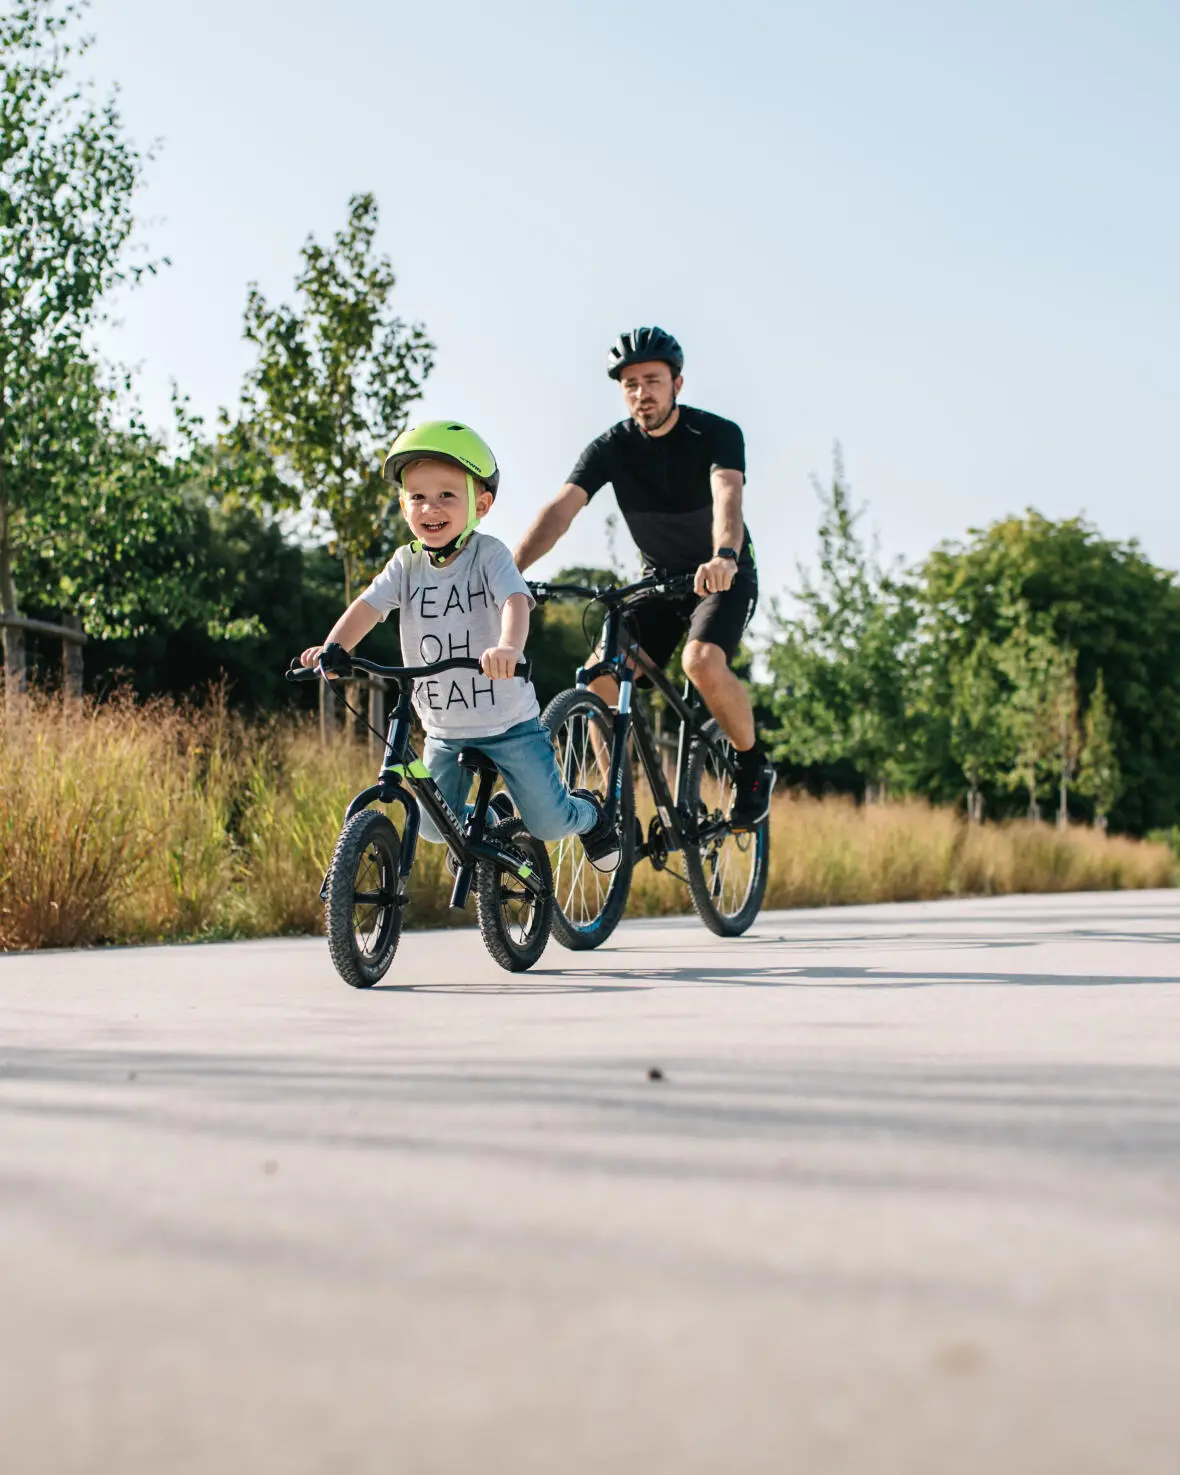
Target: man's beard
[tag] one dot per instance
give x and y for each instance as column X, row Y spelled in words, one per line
column 643, row 418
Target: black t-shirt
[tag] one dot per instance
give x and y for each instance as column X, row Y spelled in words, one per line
column 662, row 484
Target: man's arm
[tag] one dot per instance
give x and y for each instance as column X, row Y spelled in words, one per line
column 728, row 532
column 552, row 523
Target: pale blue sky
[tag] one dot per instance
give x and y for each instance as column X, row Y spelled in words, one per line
column 946, row 235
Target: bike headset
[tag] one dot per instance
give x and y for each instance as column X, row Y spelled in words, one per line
column 643, row 346
column 444, row 440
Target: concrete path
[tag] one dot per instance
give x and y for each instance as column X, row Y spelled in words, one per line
column 905, row 1201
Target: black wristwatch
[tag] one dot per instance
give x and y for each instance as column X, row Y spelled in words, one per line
column 727, row 553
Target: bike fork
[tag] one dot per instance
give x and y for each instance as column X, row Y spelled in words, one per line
column 618, row 751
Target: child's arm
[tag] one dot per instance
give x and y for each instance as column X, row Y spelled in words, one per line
column 500, row 660
column 350, row 629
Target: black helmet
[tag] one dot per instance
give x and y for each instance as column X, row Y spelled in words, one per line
column 640, row 346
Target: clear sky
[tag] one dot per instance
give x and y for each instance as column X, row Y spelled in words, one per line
column 944, row 234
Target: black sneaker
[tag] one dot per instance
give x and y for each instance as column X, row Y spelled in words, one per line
column 501, row 806
column 602, row 845
column 755, row 784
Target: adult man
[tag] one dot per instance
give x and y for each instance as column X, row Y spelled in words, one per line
column 677, row 474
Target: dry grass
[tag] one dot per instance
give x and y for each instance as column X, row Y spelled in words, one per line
column 125, row 823
column 833, row 852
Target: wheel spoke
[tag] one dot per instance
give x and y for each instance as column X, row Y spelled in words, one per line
column 729, row 859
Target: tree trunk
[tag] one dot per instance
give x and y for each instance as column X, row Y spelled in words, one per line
column 15, row 671
column 376, row 715
column 15, row 677
column 71, row 662
column 1063, row 805
column 1034, row 809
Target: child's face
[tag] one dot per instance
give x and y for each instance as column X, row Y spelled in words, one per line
column 434, row 500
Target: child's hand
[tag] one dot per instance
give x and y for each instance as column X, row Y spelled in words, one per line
column 500, row 661
column 340, row 665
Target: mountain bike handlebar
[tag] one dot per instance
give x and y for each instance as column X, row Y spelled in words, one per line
column 609, row 594
column 296, row 672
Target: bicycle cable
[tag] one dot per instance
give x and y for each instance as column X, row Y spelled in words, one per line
column 361, row 718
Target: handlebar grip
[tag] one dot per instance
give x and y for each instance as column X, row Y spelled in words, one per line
column 301, row 673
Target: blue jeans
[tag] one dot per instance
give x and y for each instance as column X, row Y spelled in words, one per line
column 528, row 764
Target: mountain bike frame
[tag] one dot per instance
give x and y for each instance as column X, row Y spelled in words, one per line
column 404, row 779
column 621, row 657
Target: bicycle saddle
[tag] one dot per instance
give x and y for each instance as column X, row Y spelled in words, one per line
column 476, row 761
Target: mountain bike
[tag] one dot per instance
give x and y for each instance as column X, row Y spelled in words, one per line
column 725, row 869
column 365, row 890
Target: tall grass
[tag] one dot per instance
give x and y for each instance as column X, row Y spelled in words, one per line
column 833, row 852
column 131, row 823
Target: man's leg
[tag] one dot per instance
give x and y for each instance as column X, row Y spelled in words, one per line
column 716, row 629
column 726, row 697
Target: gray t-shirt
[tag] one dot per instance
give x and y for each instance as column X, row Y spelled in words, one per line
column 455, row 611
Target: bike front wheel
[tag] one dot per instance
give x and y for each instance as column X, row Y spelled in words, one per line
column 514, row 921
column 588, row 904
column 363, row 906
column 727, row 869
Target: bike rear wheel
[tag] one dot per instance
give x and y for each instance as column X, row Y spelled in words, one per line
column 588, row 904
column 362, row 908
column 727, row 870
column 513, row 921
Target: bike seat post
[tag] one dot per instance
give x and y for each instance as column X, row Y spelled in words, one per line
column 475, row 823
column 477, row 819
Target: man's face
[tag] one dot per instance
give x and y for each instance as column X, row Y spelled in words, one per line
column 650, row 392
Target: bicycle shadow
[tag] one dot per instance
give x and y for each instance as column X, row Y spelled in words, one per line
column 848, row 976
column 548, row 981
column 558, row 981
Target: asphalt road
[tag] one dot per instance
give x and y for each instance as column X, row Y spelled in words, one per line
column 906, row 1201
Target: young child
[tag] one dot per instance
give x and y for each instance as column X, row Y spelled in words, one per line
column 459, row 593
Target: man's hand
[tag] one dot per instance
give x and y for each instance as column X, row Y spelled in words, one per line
column 500, row 661
column 715, row 576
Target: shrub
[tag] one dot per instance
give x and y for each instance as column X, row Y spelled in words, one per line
column 131, row 823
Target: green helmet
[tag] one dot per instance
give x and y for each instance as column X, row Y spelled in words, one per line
column 442, row 440
column 445, row 440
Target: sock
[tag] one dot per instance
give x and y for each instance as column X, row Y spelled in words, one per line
column 749, row 758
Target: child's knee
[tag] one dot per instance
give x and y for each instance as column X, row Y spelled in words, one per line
column 546, row 823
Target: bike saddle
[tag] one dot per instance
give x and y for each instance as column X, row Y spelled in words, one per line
column 476, row 761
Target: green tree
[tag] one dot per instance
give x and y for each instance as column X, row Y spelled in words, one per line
column 112, row 533
column 1104, row 600
column 1099, row 776
column 1029, row 660
column 843, row 666
column 334, row 379
column 67, row 178
column 978, row 736
column 1063, row 715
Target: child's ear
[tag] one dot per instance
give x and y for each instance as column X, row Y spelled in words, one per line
column 483, row 503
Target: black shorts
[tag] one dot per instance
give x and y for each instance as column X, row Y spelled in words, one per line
column 660, row 623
